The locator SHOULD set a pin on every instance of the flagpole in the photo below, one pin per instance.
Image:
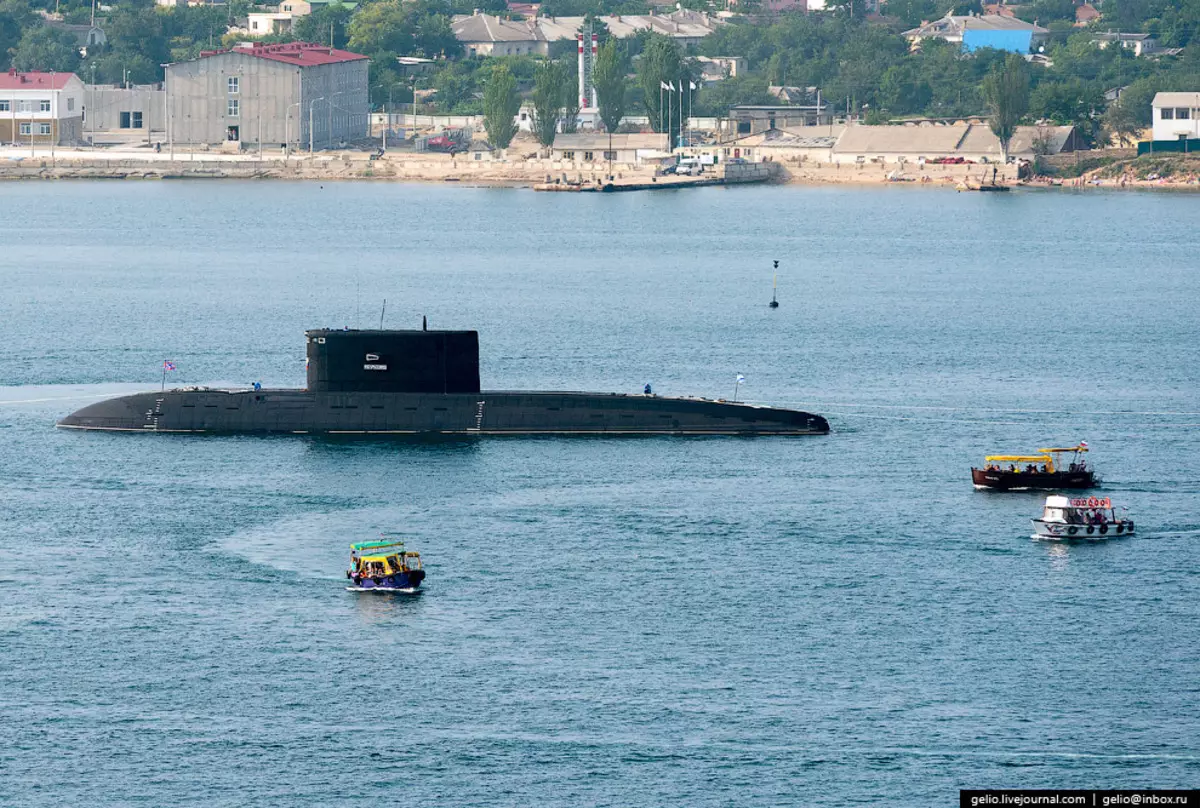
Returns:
(660, 106)
(737, 384)
(164, 375)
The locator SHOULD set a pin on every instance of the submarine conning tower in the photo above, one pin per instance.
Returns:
(356, 361)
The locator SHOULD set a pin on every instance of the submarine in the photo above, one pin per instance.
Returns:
(401, 382)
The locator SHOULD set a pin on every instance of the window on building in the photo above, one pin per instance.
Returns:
(743, 127)
(5, 105)
(44, 105)
(1167, 113)
(70, 105)
(126, 120)
(24, 106)
(43, 128)
(587, 157)
(233, 109)
(136, 120)
(26, 129)
(234, 85)
(568, 155)
(610, 155)
(1182, 113)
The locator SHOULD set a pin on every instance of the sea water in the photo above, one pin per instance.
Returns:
(658, 621)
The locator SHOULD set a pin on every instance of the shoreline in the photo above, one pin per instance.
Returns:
(143, 164)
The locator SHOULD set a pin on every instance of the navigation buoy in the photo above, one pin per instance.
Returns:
(775, 288)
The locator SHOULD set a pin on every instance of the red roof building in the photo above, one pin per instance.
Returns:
(41, 108)
(33, 80)
(302, 54)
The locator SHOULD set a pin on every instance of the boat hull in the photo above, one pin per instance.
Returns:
(1024, 480)
(202, 410)
(399, 581)
(1061, 531)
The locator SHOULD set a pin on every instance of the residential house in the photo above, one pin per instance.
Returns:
(719, 68)
(973, 32)
(86, 36)
(268, 23)
(296, 94)
(585, 148)
(488, 35)
(1176, 116)
(41, 108)
(1085, 14)
(1140, 44)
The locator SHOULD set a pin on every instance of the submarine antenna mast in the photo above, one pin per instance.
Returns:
(381, 311)
(775, 287)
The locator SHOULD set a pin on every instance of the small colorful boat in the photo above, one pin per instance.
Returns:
(1080, 518)
(1045, 470)
(384, 566)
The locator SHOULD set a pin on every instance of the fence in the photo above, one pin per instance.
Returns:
(1189, 146)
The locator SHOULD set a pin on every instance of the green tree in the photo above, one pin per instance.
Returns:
(500, 107)
(15, 18)
(549, 90)
(45, 48)
(608, 76)
(113, 68)
(455, 85)
(661, 64)
(1006, 91)
(315, 27)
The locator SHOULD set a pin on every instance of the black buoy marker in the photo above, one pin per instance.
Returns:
(775, 287)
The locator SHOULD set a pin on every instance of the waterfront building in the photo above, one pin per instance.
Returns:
(1176, 116)
(584, 148)
(973, 32)
(296, 94)
(133, 114)
(41, 109)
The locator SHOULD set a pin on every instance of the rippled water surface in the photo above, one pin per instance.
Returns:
(821, 621)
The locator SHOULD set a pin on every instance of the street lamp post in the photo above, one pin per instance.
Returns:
(310, 122)
(287, 128)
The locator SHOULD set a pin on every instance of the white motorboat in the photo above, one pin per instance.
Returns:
(1089, 518)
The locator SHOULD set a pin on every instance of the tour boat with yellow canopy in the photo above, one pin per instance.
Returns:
(1047, 469)
(384, 566)
(1080, 518)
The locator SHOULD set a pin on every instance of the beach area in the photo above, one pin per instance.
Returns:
(1176, 172)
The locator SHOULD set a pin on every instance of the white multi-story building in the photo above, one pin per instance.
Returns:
(41, 108)
(1176, 116)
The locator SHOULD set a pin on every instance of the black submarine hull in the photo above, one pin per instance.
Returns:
(204, 410)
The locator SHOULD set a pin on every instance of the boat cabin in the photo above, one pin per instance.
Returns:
(1079, 510)
(382, 558)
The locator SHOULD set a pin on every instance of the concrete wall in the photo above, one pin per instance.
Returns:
(274, 101)
(106, 102)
